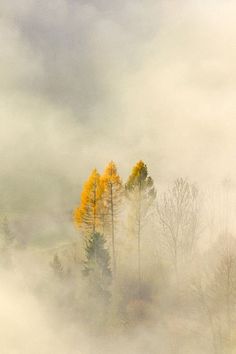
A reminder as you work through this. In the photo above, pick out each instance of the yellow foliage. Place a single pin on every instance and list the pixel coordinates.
(140, 166)
(112, 190)
(86, 216)
(111, 204)
(110, 177)
(138, 175)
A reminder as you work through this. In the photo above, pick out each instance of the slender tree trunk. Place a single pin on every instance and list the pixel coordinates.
(113, 232)
(210, 319)
(176, 263)
(94, 210)
(228, 292)
(139, 257)
(139, 241)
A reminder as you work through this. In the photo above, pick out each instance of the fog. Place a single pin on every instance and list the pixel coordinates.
(87, 82)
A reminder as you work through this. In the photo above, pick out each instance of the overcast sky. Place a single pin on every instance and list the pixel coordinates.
(84, 82)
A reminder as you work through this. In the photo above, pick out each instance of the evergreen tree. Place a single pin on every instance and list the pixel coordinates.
(57, 266)
(7, 243)
(7, 233)
(97, 264)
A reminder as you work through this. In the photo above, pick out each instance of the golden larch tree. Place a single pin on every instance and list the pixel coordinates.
(87, 215)
(112, 197)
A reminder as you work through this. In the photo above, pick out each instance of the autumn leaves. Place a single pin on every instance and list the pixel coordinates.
(103, 198)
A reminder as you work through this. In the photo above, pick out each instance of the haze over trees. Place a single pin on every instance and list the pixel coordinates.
(141, 256)
(179, 221)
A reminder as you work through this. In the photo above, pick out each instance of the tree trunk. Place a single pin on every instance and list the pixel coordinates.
(113, 233)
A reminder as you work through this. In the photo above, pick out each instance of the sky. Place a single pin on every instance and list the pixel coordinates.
(86, 82)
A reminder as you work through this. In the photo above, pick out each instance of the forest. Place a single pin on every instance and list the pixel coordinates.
(149, 268)
(117, 177)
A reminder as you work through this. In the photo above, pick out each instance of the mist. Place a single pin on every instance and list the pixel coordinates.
(87, 82)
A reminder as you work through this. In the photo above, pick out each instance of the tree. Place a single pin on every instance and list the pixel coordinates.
(223, 286)
(141, 192)
(112, 195)
(7, 242)
(97, 264)
(57, 266)
(87, 216)
(8, 236)
(215, 289)
(178, 216)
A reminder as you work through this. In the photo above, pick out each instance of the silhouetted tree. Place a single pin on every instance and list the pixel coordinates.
(97, 265)
(8, 236)
(57, 267)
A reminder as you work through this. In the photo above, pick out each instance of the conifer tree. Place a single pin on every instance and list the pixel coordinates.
(57, 266)
(112, 196)
(87, 216)
(97, 264)
(141, 193)
(7, 233)
(7, 242)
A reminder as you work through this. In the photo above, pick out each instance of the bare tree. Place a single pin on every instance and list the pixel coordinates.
(178, 217)
(216, 290)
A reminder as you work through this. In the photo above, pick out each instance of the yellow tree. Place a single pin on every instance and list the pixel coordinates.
(112, 195)
(87, 216)
(141, 193)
